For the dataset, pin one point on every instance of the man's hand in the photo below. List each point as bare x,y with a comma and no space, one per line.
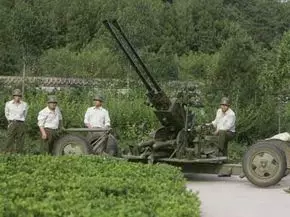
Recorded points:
107,127
216,133
89,126
9,124
43,135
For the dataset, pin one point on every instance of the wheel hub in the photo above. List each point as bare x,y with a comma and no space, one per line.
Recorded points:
264,165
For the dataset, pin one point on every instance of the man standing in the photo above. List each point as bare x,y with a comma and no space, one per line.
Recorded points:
15,113
224,125
49,121
97,116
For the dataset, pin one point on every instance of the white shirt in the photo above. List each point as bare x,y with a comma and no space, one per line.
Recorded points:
48,118
16,111
225,121
97,117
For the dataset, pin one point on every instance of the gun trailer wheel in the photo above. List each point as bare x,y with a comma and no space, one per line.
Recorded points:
264,164
71,145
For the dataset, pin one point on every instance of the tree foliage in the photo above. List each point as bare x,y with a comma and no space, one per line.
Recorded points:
237,48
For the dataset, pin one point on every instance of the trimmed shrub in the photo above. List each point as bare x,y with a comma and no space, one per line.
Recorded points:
92,186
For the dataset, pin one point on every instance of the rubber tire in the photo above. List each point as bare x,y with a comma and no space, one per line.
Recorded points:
61,142
282,145
276,152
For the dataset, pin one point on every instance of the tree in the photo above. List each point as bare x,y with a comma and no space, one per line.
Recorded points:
236,70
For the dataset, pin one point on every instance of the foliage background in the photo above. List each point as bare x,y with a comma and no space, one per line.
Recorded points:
235,48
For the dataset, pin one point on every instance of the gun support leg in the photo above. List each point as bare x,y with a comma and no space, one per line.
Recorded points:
211,168
164,144
146,143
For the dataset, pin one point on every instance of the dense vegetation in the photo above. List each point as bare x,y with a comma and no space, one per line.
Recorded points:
45,186
236,48
131,120
127,111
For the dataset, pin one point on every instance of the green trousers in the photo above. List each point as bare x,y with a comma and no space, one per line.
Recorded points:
15,137
47,144
223,138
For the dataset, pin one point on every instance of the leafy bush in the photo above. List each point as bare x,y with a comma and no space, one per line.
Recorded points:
89,63
92,186
126,110
236,151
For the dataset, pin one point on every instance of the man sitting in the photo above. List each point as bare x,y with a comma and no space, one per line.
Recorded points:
224,125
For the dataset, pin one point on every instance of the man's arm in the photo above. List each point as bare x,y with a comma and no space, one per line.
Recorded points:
214,122
25,110
6,111
41,122
86,119
60,123
59,113
107,120
43,133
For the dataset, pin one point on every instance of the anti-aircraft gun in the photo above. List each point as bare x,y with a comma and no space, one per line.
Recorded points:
175,138
179,141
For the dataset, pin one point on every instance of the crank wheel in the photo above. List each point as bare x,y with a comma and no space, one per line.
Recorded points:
181,143
264,164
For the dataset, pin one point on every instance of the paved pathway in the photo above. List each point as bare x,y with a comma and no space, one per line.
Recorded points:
235,197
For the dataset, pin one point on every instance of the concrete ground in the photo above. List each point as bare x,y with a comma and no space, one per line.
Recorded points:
235,197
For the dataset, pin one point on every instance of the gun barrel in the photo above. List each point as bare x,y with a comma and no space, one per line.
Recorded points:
169,112
113,33
116,24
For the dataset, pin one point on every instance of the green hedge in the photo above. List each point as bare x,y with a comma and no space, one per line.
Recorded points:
91,186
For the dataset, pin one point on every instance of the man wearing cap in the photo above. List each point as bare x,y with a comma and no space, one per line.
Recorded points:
224,125
49,121
15,113
97,116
